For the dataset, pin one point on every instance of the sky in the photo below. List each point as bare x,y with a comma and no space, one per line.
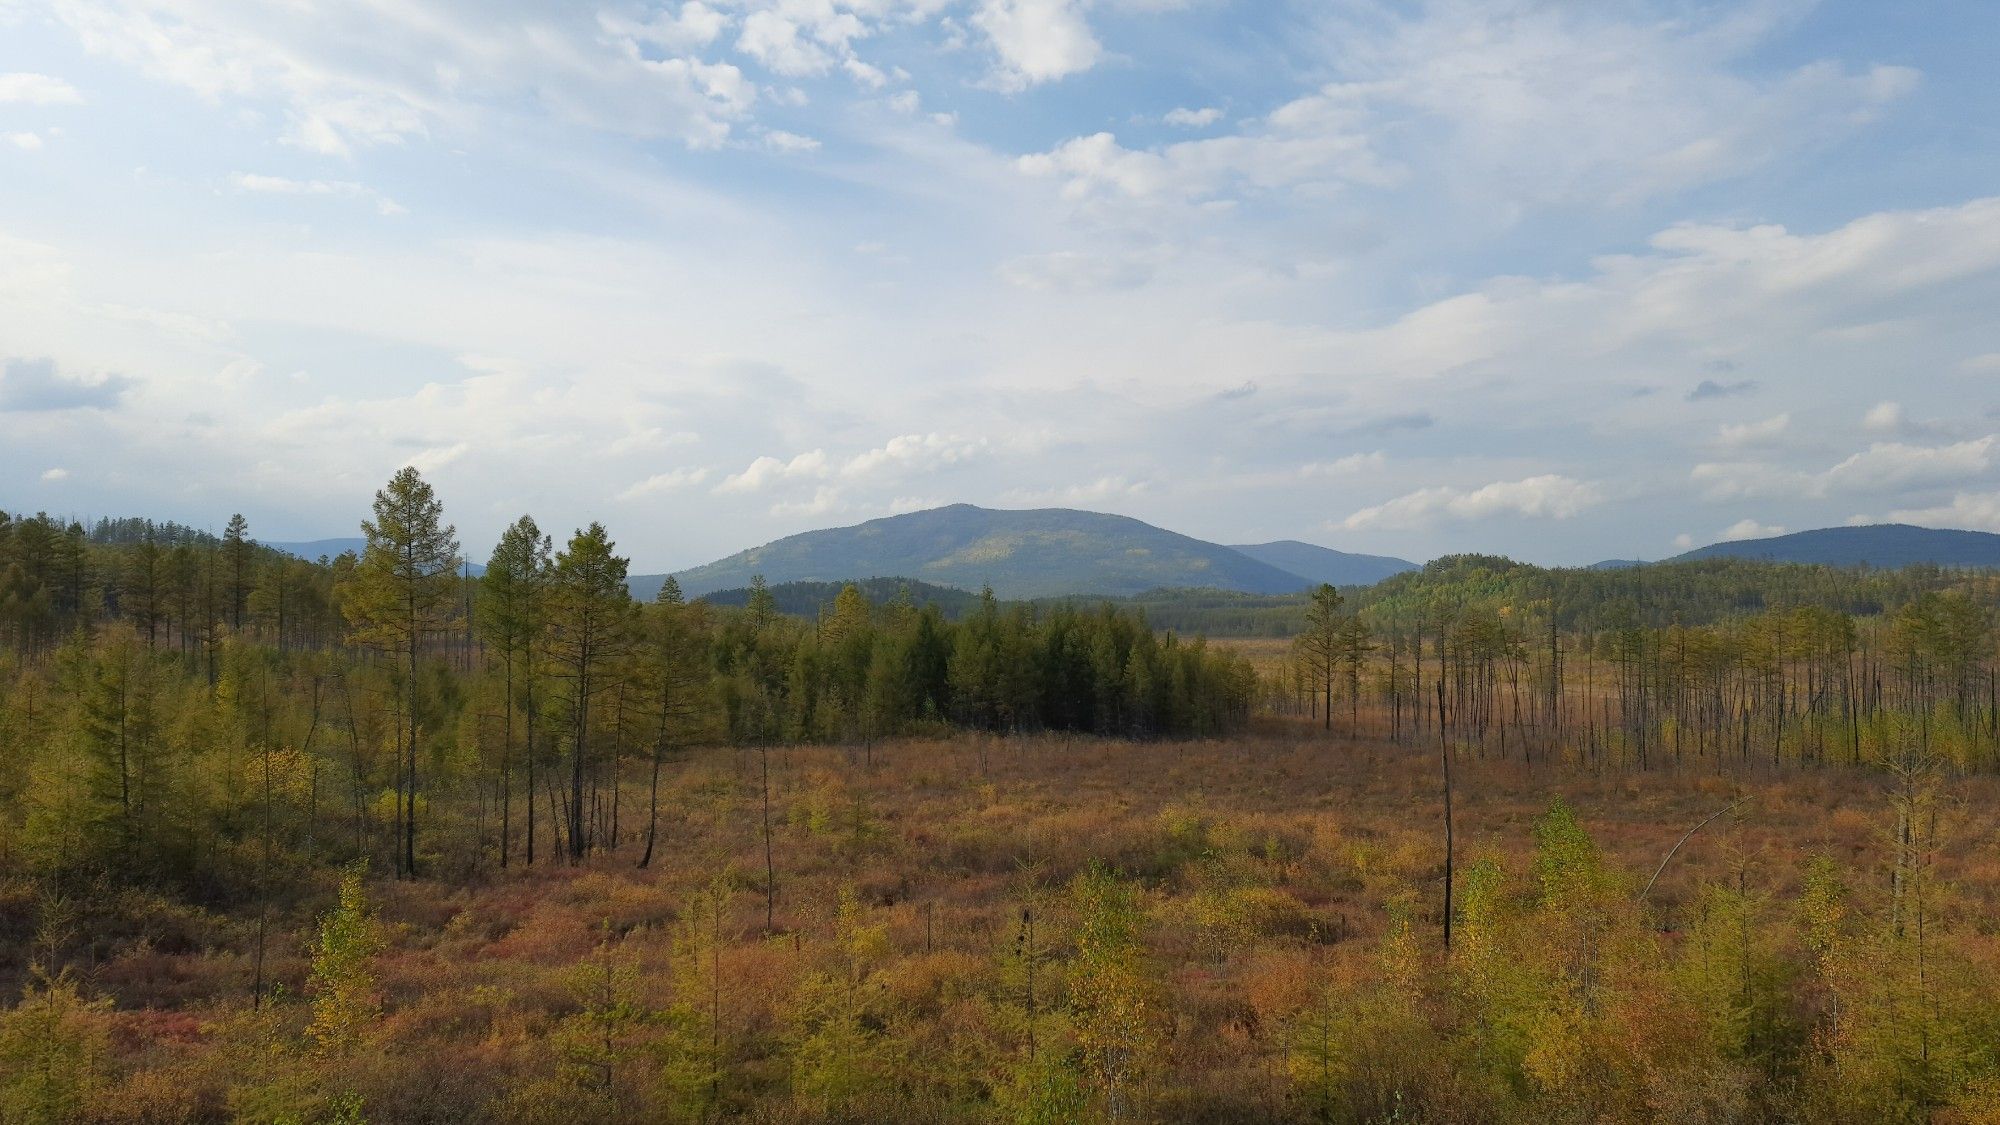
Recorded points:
1556,279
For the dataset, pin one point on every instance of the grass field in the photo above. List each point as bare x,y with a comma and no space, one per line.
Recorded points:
890,975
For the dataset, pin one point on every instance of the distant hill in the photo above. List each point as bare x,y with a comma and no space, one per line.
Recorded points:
1045,552
1616,564
1318,564
1882,545
312,550
805,599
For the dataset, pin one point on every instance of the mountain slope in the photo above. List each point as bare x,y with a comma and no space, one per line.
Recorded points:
1046,552
1324,564
1883,545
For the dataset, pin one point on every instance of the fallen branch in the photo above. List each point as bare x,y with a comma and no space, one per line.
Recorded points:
1671,852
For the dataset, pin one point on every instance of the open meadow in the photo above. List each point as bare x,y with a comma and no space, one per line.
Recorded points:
1048,929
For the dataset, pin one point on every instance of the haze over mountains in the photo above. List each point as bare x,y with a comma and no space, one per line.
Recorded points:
1044,552
1882,545
1059,552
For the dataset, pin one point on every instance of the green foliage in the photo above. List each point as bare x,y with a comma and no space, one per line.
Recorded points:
53,1048
342,985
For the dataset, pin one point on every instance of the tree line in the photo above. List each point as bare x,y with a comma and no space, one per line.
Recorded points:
1519,663
201,710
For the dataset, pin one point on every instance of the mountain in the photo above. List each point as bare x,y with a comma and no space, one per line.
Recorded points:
312,550
1045,552
1883,545
1318,564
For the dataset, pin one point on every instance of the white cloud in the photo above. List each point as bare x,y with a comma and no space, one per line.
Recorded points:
1883,467
670,481
778,140
1193,118
344,79
1883,418
902,505
1037,40
1350,465
869,76
1988,364
824,499
694,26
52,476
775,41
280,185
915,453
21,88
27,142
1098,491
437,457
767,471
1976,511
1513,105
1549,496
1753,433
1749,529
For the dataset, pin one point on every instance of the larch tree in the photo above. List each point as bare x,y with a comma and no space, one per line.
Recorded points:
674,671
512,604
403,591
589,619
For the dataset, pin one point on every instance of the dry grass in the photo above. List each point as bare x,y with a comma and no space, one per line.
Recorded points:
1263,860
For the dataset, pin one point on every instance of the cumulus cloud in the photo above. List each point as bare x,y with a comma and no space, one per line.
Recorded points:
1193,118
766,471
21,88
914,453
1882,468
1549,496
772,39
1976,511
1883,418
1753,433
35,385
1350,465
26,142
670,481
52,476
1748,529
1037,40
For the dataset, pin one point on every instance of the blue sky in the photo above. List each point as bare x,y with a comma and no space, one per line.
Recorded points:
1561,280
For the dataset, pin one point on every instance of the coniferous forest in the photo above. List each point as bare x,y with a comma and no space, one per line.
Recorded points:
370,838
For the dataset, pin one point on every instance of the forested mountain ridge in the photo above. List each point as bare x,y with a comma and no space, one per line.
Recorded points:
1033,553
1882,545
1315,563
